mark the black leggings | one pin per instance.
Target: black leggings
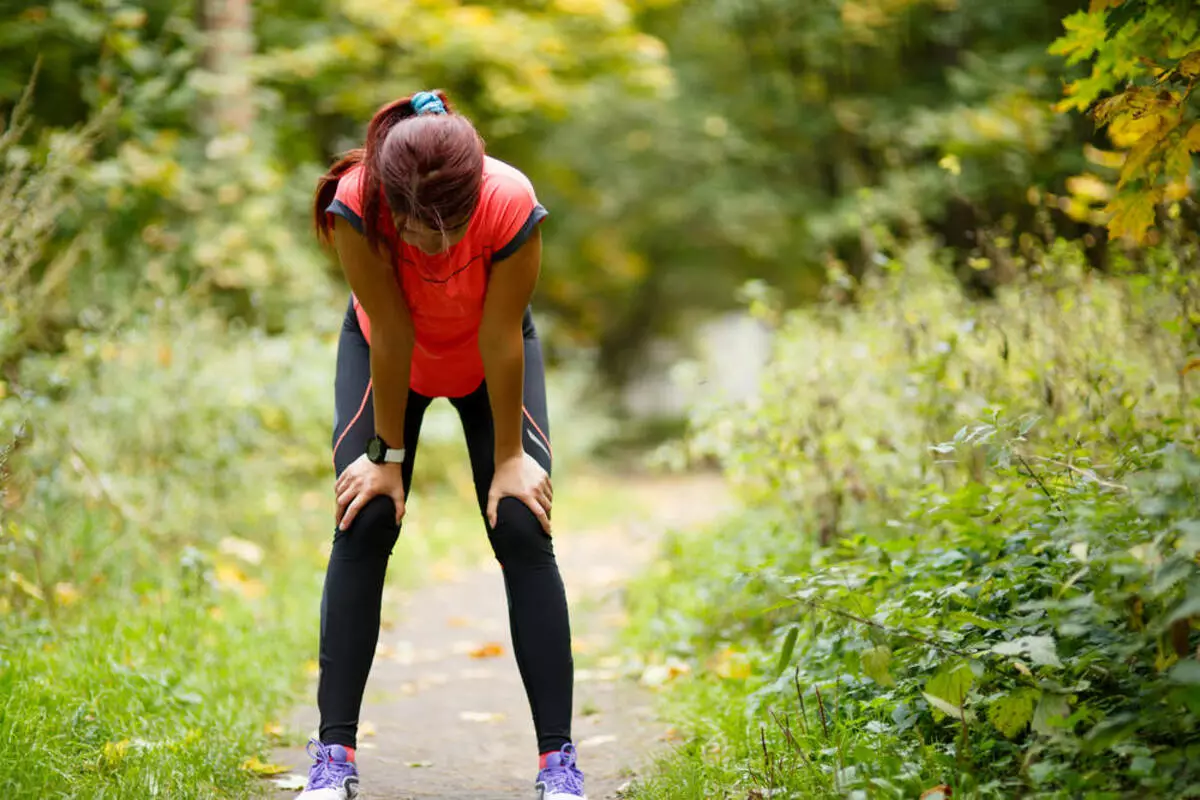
(350, 604)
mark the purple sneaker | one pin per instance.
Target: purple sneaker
(560, 779)
(333, 775)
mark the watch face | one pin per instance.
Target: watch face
(375, 449)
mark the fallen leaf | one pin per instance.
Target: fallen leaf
(489, 650)
(480, 716)
(732, 664)
(366, 728)
(273, 729)
(1192, 364)
(258, 767)
(291, 781)
(114, 752)
(418, 764)
(658, 674)
(458, 622)
(66, 594)
(231, 576)
(312, 668)
(672, 735)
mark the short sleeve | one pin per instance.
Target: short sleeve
(516, 212)
(347, 201)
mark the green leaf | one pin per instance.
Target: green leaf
(1173, 570)
(1041, 650)
(951, 685)
(1052, 710)
(967, 618)
(943, 709)
(789, 645)
(1186, 671)
(876, 662)
(1011, 713)
(1188, 608)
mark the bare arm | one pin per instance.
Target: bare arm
(374, 283)
(502, 344)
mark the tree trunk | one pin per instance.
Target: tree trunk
(229, 43)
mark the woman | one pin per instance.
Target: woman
(441, 246)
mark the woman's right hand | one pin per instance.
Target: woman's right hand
(364, 480)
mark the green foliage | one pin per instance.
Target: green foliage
(1006, 607)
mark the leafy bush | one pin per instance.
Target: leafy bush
(1007, 609)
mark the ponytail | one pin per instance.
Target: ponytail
(381, 124)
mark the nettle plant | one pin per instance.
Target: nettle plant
(1033, 631)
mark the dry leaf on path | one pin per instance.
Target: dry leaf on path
(480, 716)
(291, 781)
(259, 767)
(273, 729)
(366, 728)
(656, 675)
(489, 650)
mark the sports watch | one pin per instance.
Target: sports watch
(378, 452)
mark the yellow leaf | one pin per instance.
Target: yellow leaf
(1089, 187)
(1189, 67)
(489, 650)
(1191, 365)
(1103, 5)
(258, 767)
(25, 585)
(732, 664)
(273, 729)
(1132, 215)
(1103, 158)
(65, 594)
(951, 164)
(1139, 159)
(114, 752)
(1192, 137)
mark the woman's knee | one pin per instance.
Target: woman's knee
(518, 537)
(372, 533)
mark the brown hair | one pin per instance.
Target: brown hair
(430, 168)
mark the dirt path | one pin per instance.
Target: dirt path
(445, 715)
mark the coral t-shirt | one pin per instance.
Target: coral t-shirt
(445, 291)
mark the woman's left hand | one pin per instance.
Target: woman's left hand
(522, 477)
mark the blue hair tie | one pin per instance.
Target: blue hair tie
(427, 103)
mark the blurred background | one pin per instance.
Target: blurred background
(797, 241)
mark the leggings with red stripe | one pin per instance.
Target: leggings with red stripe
(350, 603)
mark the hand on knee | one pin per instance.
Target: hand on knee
(373, 532)
(518, 537)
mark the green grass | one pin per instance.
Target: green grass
(162, 695)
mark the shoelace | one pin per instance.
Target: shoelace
(324, 767)
(564, 777)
